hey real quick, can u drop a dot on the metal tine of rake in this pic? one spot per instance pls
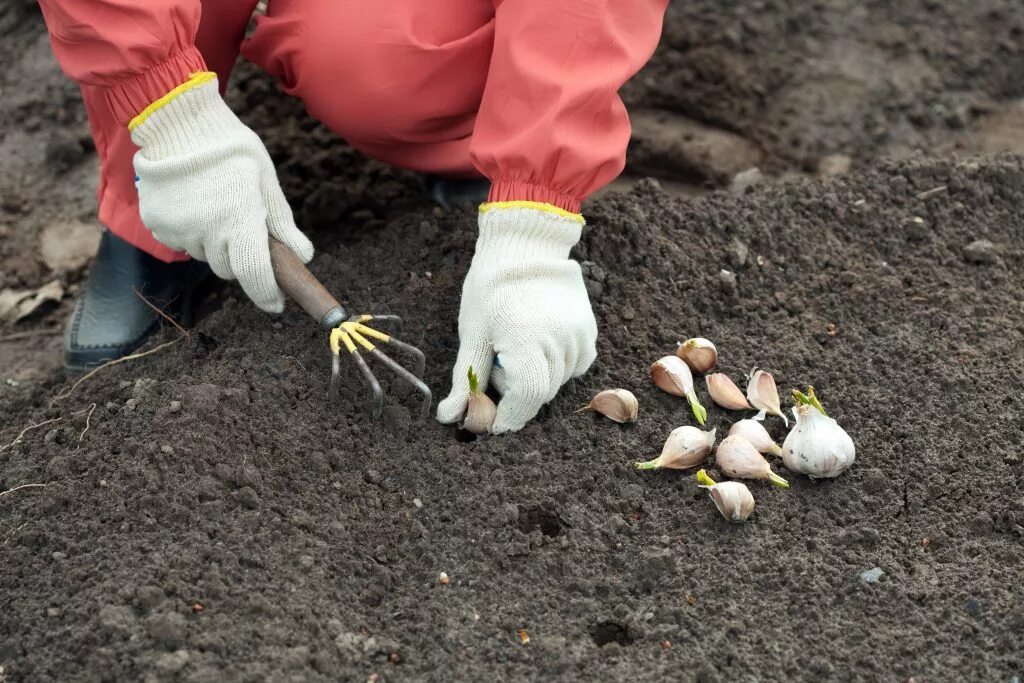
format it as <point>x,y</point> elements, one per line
<point>352,336</point>
<point>305,289</point>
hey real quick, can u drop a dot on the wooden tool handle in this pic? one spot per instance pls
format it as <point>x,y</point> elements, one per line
<point>298,283</point>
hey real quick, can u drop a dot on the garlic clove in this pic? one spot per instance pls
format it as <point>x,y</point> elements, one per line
<point>685,447</point>
<point>764,395</point>
<point>618,405</point>
<point>725,393</point>
<point>732,498</point>
<point>816,446</point>
<point>738,458</point>
<point>757,435</point>
<point>673,376</point>
<point>480,410</point>
<point>698,353</point>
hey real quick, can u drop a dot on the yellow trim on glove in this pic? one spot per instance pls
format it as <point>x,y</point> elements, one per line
<point>539,206</point>
<point>194,80</point>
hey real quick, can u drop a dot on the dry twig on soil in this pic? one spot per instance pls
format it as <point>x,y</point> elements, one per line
<point>87,418</point>
<point>23,486</point>
<point>26,430</point>
<point>162,313</point>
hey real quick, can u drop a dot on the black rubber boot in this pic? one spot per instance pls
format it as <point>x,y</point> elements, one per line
<point>449,192</point>
<point>110,321</point>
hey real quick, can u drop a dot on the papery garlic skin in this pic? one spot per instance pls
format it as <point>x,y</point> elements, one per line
<point>764,395</point>
<point>480,413</point>
<point>673,376</point>
<point>685,447</point>
<point>480,409</point>
<point>618,405</point>
<point>738,458</point>
<point>725,393</point>
<point>698,353</point>
<point>817,446</point>
<point>733,499</point>
<point>754,432</point>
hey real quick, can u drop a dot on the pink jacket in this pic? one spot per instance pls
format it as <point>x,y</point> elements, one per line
<point>550,128</point>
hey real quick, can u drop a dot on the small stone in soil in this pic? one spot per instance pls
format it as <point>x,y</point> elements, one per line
<point>737,252</point>
<point>744,180</point>
<point>834,165</point>
<point>727,280</point>
<point>175,406</point>
<point>982,252</point>
<point>872,575</point>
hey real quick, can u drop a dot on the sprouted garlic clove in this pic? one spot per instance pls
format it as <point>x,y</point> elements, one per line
<point>764,395</point>
<point>618,405</point>
<point>725,393</point>
<point>480,410</point>
<point>732,498</point>
<point>754,432</point>
<point>673,376</point>
<point>685,447</point>
<point>738,458</point>
<point>698,353</point>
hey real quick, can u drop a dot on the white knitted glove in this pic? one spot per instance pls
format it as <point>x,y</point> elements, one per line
<point>524,300</point>
<point>208,187</point>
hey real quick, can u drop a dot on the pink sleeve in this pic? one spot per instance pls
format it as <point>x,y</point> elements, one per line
<point>551,126</point>
<point>135,52</point>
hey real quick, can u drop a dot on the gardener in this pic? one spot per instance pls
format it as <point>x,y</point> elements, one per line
<point>520,91</point>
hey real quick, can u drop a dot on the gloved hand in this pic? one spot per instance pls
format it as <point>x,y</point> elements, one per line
<point>524,300</point>
<point>208,187</point>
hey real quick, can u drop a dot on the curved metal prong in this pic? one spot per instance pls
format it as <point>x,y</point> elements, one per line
<point>378,395</point>
<point>333,391</point>
<point>428,397</point>
<point>421,360</point>
<point>371,320</point>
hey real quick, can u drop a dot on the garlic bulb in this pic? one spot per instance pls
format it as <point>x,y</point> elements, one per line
<point>732,498</point>
<point>754,432</point>
<point>684,448</point>
<point>618,405</point>
<point>699,353</point>
<point>673,376</point>
<point>763,395</point>
<point>480,411</point>
<point>738,458</point>
<point>725,393</point>
<point>817,446</point>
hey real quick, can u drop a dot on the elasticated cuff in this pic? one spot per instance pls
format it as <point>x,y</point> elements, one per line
<point>130,96</point>
<point>517,190</point>
<point>524,233</point>
<point>189,117</point>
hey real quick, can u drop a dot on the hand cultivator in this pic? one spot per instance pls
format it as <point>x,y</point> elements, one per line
<point>346,334</point>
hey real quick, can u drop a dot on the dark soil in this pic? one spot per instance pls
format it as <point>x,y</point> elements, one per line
<point>213,518</point>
